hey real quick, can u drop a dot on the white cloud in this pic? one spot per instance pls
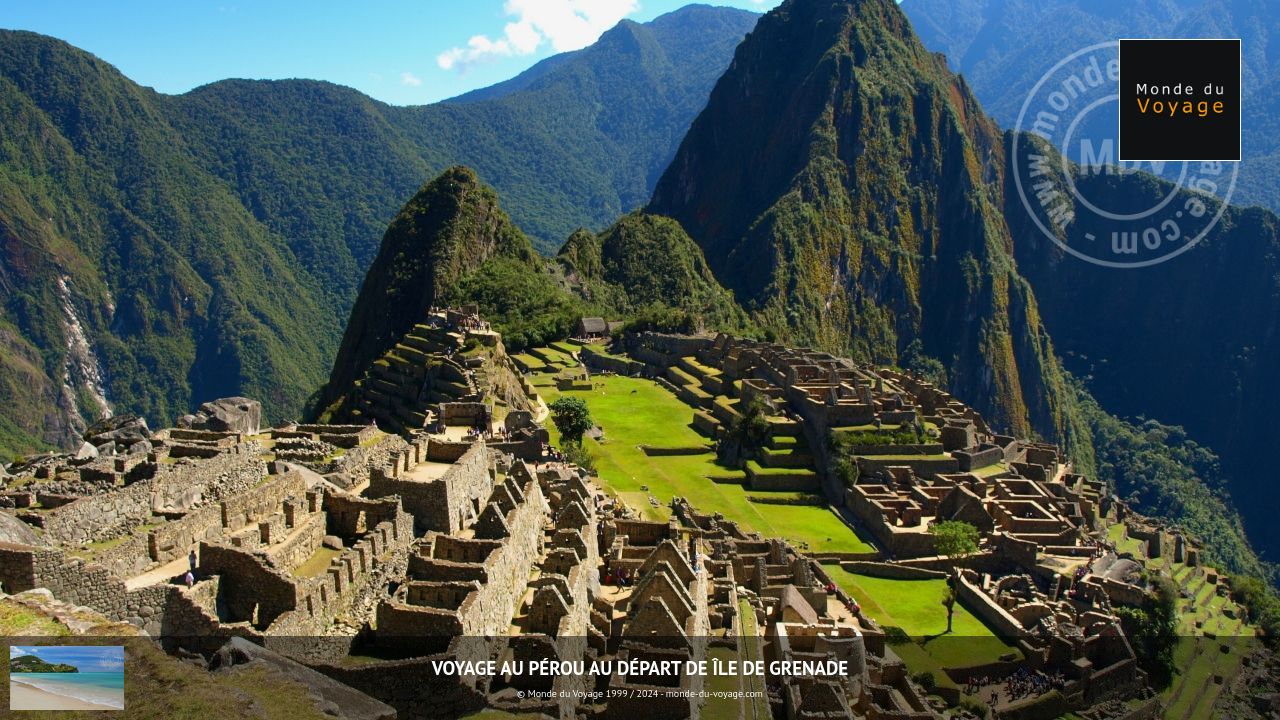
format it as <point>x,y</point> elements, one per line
<point>408,78</point>
<point>15,651</point>
<point>564,24</point>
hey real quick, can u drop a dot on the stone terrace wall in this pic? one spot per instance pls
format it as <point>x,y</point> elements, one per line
<point>160,610</point>
<point>365,566</point>
<point>488,609</point>
<point>247,507</point>
<point>351,516</point>
<point>128,558</point>
<point>100,517</point>
<point>609,363</point>
<point>444,503</point>
<point>359,461</point>
<point>987,610</point>
<point>301,543</point>
<point>211,521</point>
<point>496,600</point>
<point>247,584</point>
<point>119,511</point>
<point>223,475</point>
<point>72,580</point>
<point>411,687</point>
<point>172,539</point>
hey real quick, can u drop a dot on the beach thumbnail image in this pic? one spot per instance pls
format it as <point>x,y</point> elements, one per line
<point>66,677</point>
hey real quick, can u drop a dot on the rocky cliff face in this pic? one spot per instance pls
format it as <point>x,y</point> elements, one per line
<point>451,226</point>
<point>840,182</point>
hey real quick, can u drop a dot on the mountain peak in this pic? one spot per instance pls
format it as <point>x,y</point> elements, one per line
<point>852,210</point>
<point>451,225</point>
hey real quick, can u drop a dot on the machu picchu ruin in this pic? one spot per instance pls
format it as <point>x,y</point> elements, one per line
<point>441,523</point>
<point>616,360</point>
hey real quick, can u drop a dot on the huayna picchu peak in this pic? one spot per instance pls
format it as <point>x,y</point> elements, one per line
<point>839,183</point>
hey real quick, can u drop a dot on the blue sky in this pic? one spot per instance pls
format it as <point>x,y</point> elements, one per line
<point>402,51</point>
<point>100,658</point>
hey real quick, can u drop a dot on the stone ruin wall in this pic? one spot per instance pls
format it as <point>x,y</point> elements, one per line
<point>110,515</point>
<point>248,586</point>
<point>99,517</point>
<point>443,504</point>
<point>508,567</point>
<point>488,607</point>
<point>229,472</point>
<point>158,609</point>
<point>362,569</point>
<point>359,462</point>
<point>988,610</point>
<point>244,509</point>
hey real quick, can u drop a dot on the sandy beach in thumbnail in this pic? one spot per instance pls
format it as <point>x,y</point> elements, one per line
<point>26,697</point>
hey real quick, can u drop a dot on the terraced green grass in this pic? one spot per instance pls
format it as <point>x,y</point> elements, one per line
<point>635,412</point>
<point>530,362</point>
<point>1198,658</point>
<point>990,470</point>
<point>916,607</point>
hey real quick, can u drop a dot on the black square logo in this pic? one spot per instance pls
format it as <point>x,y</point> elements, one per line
<point>1179,100</point>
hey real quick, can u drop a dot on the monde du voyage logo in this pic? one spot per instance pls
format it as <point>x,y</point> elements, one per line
<point>1104,115</point>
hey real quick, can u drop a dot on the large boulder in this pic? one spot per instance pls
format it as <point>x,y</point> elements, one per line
<point>331,697</point>
<point>232,414</point>
<point>117,433</point>
<point>13,530</point>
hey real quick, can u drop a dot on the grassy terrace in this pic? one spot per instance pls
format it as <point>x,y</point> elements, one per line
<point>635,412</point>
<point>991,470</point>
<point>1211,643</point>
<point>317,564</point>
<point>916,607</point>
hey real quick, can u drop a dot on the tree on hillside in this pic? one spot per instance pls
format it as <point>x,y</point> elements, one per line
<point>572,419</point>
<point>747,432</point>
<point>1152,631</point>
<point>955,540</point>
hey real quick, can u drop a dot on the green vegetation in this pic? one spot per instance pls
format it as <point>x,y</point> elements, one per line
<point>955,540</point>
<point>1260,601</point>
<point>746,433</point>
<point>1152,631</point>
<point>572,418</point>
<point>454,224</point>
<point>1166,475</point>
<point>212,243</point>
<point>179,290</point>
<point>33,664</point>
<point>634,412</point>
<point>527,306</point>
<point>839,249</point>
<point>17,620</point>
<point>646,266</point>
<point>901,435</point>
<point>722,708</point>
<point>756,708</point>
<point>912,606</point>
<point>317,564</point>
